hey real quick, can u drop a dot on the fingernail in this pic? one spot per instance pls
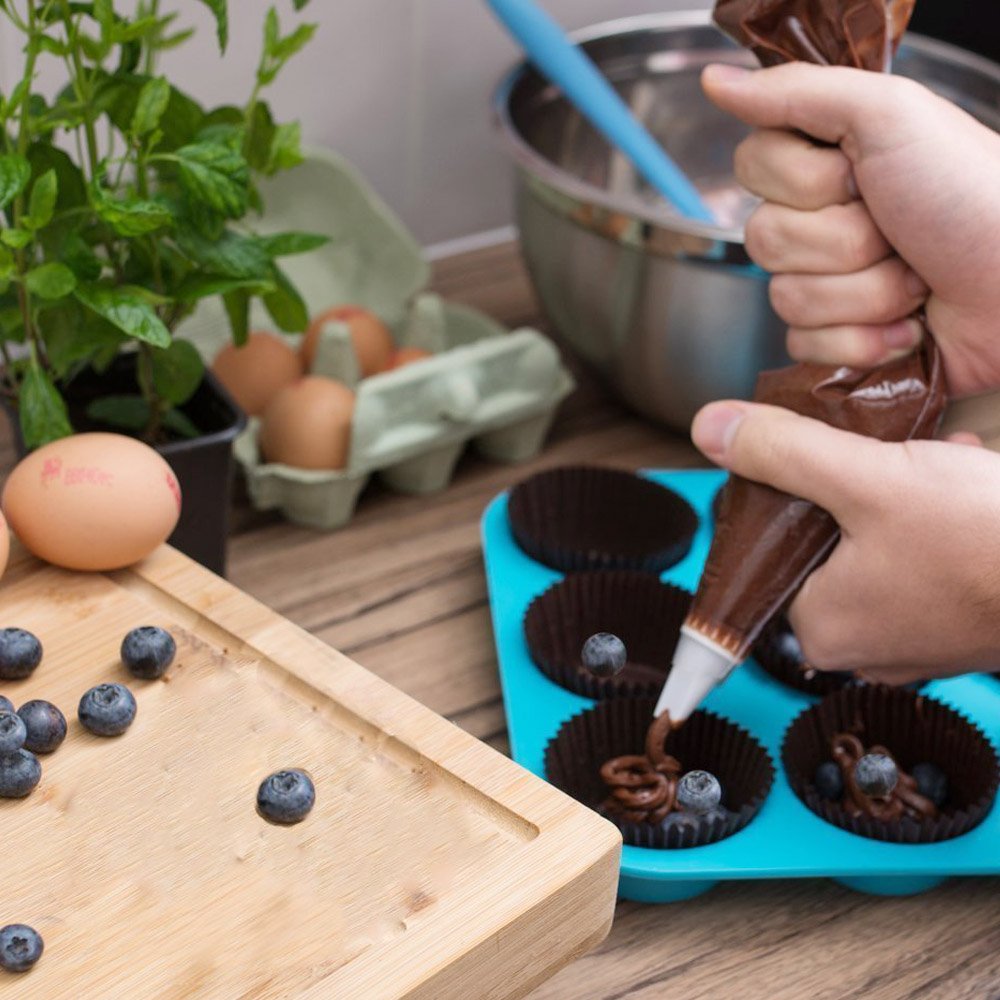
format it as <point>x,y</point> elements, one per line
<point>915,285</point>
<point>715,427</point>
<point>726,73</point>
<point>904,333</point>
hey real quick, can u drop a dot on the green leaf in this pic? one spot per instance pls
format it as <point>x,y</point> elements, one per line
<point>180,423</point>
<point>284,244</point>
<point>130,216</point>
<point>16,238</point>
<point>72,189</point>
<point>174,40</point>
<point>42,202</point>
<point>81,259</point>
<point>42,410</point>
<point>15,171</point>
<point>299,4</point>
<point>151,105</point>
<point>294,43</point>
<point>73,336</point>
<point>130,413</point>
<point>232,255</point>
<point>286,148</point>
<point>218,8</point>
<point>118,96</point>
<point>53,46</point>
<point>202,286</point>
<point>285,305</point>
<point>237,305</point>
<point>17,97</point>
<point>127,311</point>
<point>50,281</point>
<point>259,137</point>
<point>177,371</point>
<point>215,175</point>
<point>6,263</point>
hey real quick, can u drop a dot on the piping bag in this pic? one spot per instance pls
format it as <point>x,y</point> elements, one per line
<point>767,542</point>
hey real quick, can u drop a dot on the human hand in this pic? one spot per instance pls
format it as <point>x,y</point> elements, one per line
<point>905,207</point>
<point>912,589</point>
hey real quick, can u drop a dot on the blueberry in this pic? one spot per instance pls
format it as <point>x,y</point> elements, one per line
<point>12,733</point>
<point>6,705</point>
<point>20,653</point>
<point>148,651</point>
<point>107,710</point>
<point>286,797</point>
<point>45,724</point>
<point>679,820</point>
<point>19,773</point>
<point>604,655</point>
<point>876,775</point>
<point>21,947</point>
<point>829,781</point>
<point>932,782</point>
<point>699,792</point>
<point>787,645</point>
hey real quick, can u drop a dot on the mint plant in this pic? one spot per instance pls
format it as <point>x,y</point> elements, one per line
<point>123,203</point>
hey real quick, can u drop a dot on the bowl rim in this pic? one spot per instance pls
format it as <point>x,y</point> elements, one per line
<point>665,217</point>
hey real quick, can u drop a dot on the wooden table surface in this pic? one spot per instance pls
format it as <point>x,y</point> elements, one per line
<point>401,590</point>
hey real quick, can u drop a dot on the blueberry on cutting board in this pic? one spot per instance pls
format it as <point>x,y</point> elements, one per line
<point>20,772</point>
<point>12,733</point>
<point>20,653</point>
<point>21,947</point>
<point>44,724</point>
<point>107,710</point>
<point>286,797</point>
<point>148,651</point>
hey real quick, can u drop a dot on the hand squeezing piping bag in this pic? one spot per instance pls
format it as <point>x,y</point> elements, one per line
<point>767,542</point>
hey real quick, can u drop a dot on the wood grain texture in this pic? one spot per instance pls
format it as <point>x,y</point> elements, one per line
<point>430,867</point>
<point>401,591</point>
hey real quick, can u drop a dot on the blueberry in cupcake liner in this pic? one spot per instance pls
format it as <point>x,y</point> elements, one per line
<point>945,757</point>
<point>645,614</point>
<point>617,729</point>
<point>578,518</point>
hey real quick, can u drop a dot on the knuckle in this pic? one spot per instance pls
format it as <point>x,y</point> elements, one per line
<point>745,163</point>
<point>787,299</point>
<point>762,240</point>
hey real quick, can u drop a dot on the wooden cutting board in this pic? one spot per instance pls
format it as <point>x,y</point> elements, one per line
<point>431,866</point>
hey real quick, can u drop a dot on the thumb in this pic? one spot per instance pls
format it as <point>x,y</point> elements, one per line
<point>831,103</point>
<point>835,469</point>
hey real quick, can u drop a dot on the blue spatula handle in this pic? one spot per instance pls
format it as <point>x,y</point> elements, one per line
<point>568,67</point>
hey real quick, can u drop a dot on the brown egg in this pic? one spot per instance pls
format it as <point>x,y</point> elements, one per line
<point>406,356</point>
<point>373,345</point>
<point>308,424</point>
<point>257,371</point>
<point>92,501</point>
<point>4,544</point>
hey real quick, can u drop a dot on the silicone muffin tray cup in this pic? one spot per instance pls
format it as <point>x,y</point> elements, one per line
<point>785,840</point>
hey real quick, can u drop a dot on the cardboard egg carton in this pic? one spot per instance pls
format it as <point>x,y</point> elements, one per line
<point>484,386</point>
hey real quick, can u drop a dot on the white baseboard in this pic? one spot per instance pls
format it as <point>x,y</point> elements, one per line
<point>474,241</point>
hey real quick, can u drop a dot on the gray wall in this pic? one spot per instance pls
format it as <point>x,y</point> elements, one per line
<point>400,87</point>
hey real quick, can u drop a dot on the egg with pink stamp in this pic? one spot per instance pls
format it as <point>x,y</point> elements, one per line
<point>92,501</point>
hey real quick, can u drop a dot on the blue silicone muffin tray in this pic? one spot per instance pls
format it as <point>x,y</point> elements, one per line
<point>785,840</point>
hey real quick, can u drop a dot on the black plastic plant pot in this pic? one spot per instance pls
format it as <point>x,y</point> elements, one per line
<point>203,465</point>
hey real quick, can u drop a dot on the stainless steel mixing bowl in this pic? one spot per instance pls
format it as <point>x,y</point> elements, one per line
<point>670,311</point>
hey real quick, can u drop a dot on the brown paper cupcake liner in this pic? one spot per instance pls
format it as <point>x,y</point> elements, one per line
<point>913,728</point>
<point>643,612</point>
<point>574,756</point>
<point>776,656</point>
<point>578,518</point>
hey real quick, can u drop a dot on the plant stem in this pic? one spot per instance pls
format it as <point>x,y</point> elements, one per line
<point>21,259</point>
<point>144,375</point>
